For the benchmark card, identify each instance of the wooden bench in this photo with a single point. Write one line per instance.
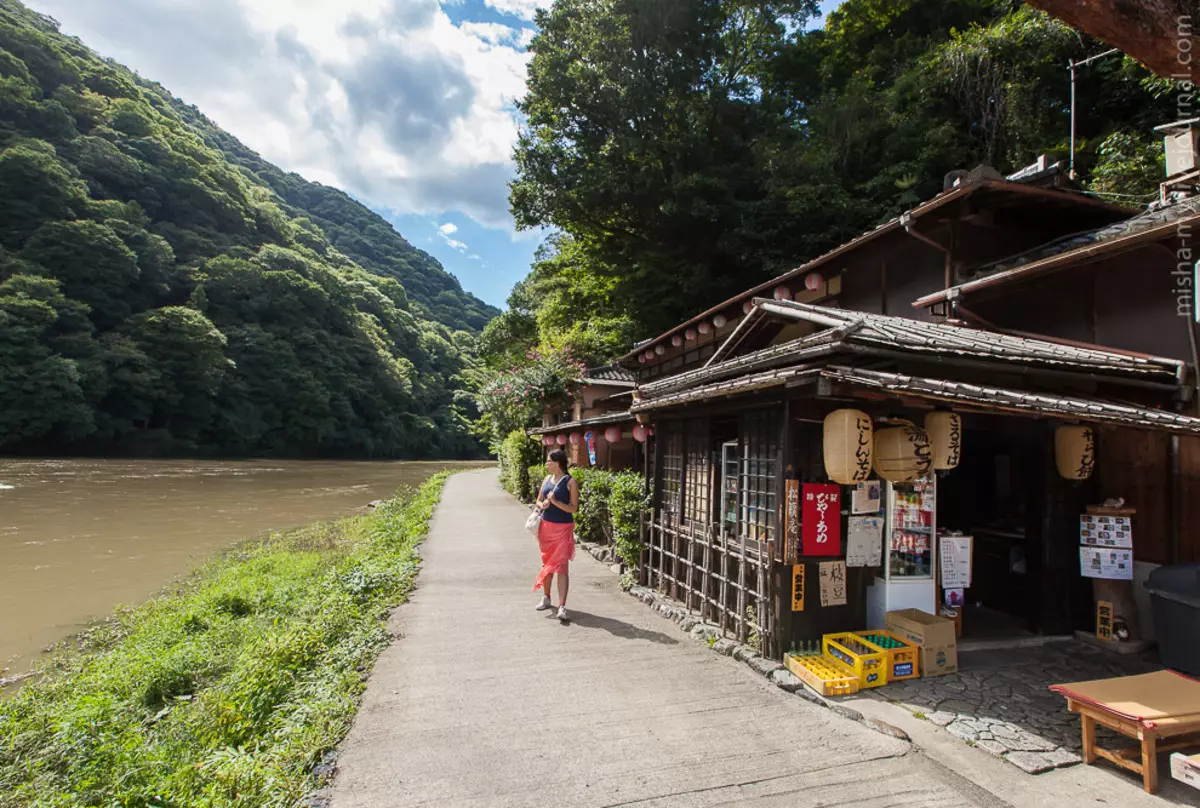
(1160, 710)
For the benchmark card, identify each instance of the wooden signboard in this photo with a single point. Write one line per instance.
(797, 587)
(791, 543)
(1104, 620)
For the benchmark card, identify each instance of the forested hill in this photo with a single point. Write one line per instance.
(355, 231)
(164, 290)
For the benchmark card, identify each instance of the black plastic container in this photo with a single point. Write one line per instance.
(1175, 600)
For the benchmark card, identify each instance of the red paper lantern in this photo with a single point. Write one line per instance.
(676, 340)
(548, 441)
(612, 434)
(575, 438)
(747, 306)
(561, 440)
(649, 356)
(705, 328)
(782, 293)
(720, 320)
(639, 433)
(642, 359)
(690, 335)
(813, 281)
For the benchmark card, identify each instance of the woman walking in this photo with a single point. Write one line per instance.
(558, 501)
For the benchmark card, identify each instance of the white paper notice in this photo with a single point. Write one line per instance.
(864, 541)
(1103, 562)
(866, 497)
(956, 562)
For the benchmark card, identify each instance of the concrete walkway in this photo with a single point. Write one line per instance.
(484, 702)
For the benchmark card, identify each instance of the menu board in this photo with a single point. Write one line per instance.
(1106, 531)
(956, 562)
(1103, 562)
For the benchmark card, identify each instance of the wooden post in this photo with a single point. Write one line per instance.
(1149, 763)
(1088, 725)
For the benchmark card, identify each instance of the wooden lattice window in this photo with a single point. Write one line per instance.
(697, 489)
(672, 469)
(759, 470)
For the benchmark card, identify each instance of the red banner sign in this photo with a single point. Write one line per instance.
(821, 519)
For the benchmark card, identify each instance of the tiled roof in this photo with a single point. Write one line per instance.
(847, 332)
(598, 420)
(609, 374)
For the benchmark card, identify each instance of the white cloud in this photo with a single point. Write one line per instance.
(448, 229)
(387, 99)
(524, 9)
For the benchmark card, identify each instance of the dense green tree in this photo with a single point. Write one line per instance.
(164, 289)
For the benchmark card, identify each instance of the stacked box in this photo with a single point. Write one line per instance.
(902, 655)
(868, 662)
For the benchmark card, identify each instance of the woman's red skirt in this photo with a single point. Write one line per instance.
(557, 540)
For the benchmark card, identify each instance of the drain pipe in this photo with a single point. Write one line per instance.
(906, 221)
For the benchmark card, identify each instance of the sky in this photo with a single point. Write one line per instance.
(407, 105)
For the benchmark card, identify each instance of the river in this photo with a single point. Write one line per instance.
(79, 537)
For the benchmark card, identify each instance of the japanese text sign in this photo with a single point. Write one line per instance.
(797, 587)
(833, 583)
(821, 519)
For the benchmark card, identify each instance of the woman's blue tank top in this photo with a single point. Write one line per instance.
(563, 494)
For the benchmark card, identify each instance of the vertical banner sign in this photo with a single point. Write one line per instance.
(821, 519)
(590, 437)
(797, 587)
(833, 583)
(791, 544)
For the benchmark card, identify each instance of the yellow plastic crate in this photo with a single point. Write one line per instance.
(903, 657)
(868, 662)
(822, 674)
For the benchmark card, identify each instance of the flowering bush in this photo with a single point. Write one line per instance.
(516, 398)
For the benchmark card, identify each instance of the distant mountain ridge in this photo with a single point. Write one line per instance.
(355, 230)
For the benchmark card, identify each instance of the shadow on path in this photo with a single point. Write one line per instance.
(619, 628)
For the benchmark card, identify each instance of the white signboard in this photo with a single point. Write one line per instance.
(1103, 562)
(955, 552)
(864, 541)
(1106, 531)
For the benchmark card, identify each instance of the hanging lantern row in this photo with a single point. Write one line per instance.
(561, 440)
(676, 340)
(690, 335)
(612, 434)
(813, 281)
(705, 328)
(1075, 451)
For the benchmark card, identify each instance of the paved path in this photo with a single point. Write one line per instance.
(485, 702)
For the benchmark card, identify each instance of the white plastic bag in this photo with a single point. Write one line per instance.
(534, 522)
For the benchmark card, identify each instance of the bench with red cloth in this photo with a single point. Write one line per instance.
(1160, 710)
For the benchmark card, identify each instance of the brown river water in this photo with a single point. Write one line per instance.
(79, 537)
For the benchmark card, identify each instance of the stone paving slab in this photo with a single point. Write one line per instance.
(1000, 701)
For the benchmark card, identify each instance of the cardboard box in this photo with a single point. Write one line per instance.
(1186, 769)
(935, 635)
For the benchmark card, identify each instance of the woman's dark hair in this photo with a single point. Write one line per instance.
(560, 457)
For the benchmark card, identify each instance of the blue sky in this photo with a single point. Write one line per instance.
(407, 105)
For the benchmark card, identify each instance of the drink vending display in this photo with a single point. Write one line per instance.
(910, 529)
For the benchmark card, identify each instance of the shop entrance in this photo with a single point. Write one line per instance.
(997, 495)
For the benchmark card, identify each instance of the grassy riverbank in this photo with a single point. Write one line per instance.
(228, 691)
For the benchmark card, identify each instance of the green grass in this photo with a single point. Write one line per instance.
(228, 690)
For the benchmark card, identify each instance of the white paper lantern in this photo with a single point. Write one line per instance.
(747, 307)
(782, 293)
(848, 446)
(690, 335)
(945, 438)
(676, 340)
(1075, 451)
(813, 281)
(660, 349)
(612, 434)
(705, 328)
(561, 440)
(720, 320)
(902, 453)
(575, 437)
(639, 433)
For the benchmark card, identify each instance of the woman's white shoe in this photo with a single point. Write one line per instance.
(545, 604)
